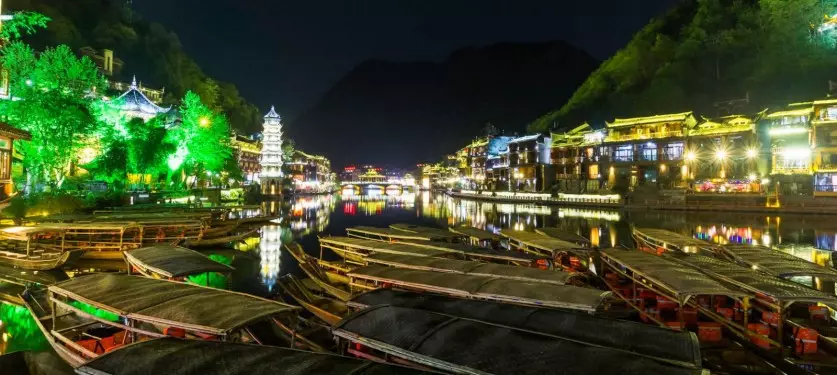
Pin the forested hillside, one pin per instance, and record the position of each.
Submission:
(150, 51)
(706, 51)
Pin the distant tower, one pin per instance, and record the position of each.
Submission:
(271, 161)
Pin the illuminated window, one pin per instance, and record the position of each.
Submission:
(593, 172)
(624, 153)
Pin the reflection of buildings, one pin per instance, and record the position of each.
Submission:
(311, 214)
(270, 251)
(375, 204)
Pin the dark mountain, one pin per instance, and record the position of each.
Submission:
(408, 112)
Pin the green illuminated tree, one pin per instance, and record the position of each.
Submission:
(202, 140)
(22, 23)
(57, 104)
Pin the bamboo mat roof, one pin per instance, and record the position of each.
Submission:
(173, 261)
(538, 241)
(167, 302)
(492, 288)
(678, 279)
(465, 267)
(479, 234)
(669, 237)
(382, 247)
(754, 281)
(776, 262)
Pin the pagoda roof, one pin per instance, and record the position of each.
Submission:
(134, 100)
(272, 113)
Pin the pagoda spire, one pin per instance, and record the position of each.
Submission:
(134, 82)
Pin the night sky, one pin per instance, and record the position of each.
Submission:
(289, 53)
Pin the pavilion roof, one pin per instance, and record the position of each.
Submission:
(672, 117)
(134, 100)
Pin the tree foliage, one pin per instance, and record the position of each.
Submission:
(56, 104)
(707, 51)
(202, 139)
(148, 49)
(22, 23)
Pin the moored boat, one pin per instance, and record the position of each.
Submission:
(564, 236)
(88, 316)
(34, 248)
(328, 281)
(675, 295)
(659, 241)
(167, 356)
(172, 263)
(466, 346)
(480, 287)
(567, 255)
(327, 309)
(220, 240)
(393, 235)
(436, 233)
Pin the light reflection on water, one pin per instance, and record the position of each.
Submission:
(260, 260)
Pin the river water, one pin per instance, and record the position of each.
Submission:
(261, 260)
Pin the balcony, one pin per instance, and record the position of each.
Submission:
(634, 137)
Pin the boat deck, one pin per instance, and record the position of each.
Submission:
(390, 234)
(474, 233)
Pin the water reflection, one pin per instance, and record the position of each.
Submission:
(270, 252)
(260, 260)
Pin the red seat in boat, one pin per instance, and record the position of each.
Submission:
(175, 332)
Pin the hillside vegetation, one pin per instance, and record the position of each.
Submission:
(707, 51)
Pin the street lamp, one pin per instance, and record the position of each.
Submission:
(204, 122)
(721, 154)
(752, 153)
(691, 156)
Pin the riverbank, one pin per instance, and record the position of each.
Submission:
(796, 206)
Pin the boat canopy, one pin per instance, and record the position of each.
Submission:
(678, 279)
(492, 288)
(538, 241)
(436, 233)
(477, 252)
(667, 238)
(382, 247)
(753, 281)
(23, 233)
(168, 355)
(172, 303)
(776, 262)
(465, 267)
(391, 233)
(563, 235)
(479, 234)
(676, 347)
(465, 346)
(173, 261)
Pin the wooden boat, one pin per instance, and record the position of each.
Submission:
(354, 250)
(167, 355)
(13, 282)
(568, 255)
(476, 236)
(480, 287)
(660, 241)
(34, 363)
(451, 344)
(327, 309)
(34, 248)
(88, 316)
(215, 241)
(437, 234)
(564, 236)
(774, 262)
(798, 316)
(393, 235)
(171, 262)
(675, 295)
(324, 280)
(466, 267)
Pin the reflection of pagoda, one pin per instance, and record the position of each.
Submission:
(134, 104)
(270, 252)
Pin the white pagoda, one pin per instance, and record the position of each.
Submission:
(271, 160)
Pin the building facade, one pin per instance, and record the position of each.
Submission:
(530, 163)
(310, 173)
(788, 134)
(248, 153)
(271, 157)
